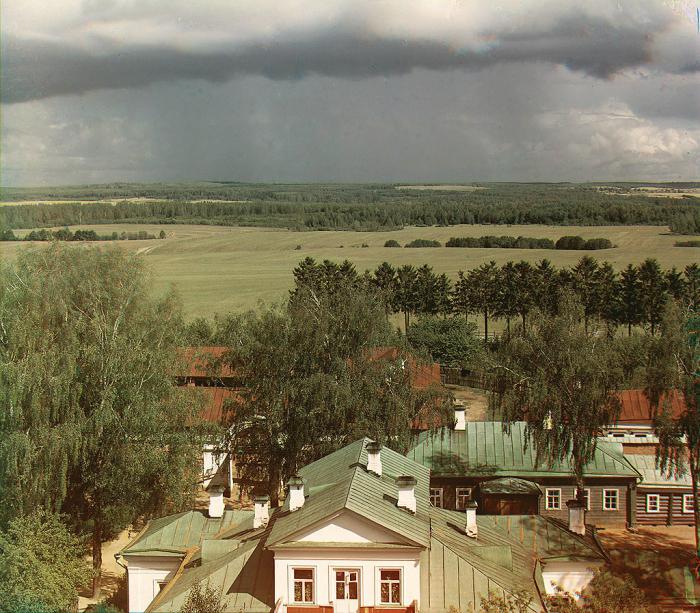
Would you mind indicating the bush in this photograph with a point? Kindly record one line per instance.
(365, 245)
(504, 242)
(423, 242)
(678, 244)
(570, 242)
(452, 341)
(392, 243)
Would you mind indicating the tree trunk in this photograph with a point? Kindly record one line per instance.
(523, 316)
(273, 485)
(96, 558)
(508, 325)
(629, 328)
(486, 326)
(406, 321)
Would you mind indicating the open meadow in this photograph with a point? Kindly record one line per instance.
(222, 269)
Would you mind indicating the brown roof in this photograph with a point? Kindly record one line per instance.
(214, 407)
(199, 359)
(423, 375)
(636, 407)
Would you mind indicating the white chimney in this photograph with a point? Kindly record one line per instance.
(262, 511)
(577, 516)
(216, 501)
(460, 417)
(296, 492)
(470, 511)
(407, 493)
(374, 458)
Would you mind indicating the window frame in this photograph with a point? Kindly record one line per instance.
(692, 503)
(292, 599)
(547, 506)
(441, 495)
(459, 492)
(617, 499)
(649, 498)
(380, 602)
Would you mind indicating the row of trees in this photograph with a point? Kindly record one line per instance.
(526, 242)
(65, 234)
(632, 297)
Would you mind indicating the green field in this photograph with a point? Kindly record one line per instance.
(222, 269)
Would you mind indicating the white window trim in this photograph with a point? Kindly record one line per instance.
(442, 496)
(587, 490)
(459, 491)
(313, 585)
(379, 602)
(331, 581)
(617, 499)
(687, 508)
(658, 503)
(546, 499)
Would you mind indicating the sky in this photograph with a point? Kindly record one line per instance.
(97, 91)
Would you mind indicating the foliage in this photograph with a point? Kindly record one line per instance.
(202, 601)
(605, 593)
(674, 364)
(695, 243)
(561, 379)
(64, 234)
(504, 242)
(578, 243)
(450, 341)
(88, 409)
(423, 242)
(519, 602)
(392, 243)
(318, 375)
(42, 565)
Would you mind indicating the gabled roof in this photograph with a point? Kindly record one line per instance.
(637, 409)
(175, 534)
(215, 402)
(483, 449)
(655, 477)
(340, 481)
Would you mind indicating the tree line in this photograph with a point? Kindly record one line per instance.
(574, 243)
(634, 296)
(352, 207)
(65, 234)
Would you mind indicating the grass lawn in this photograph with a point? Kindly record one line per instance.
(220, 269)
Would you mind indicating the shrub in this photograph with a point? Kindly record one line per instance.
(392, 243)
(570, 242)
(678, 244)
(452, 341)
(423, 242)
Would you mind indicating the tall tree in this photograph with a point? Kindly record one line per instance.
(653, 291)
(561, 378)
(406, 297)
(483, 292)
(87, 402)
(546, 287)
(384, 279)
(692, 286)
(524, 283)
(314, 381)
(674, 364)
(628, 303)
(507, 304)
(585, 281)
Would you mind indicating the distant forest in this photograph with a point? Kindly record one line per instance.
(368, 207)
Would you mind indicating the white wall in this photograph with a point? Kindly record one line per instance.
(143, 575)
(348, 528)
(368, 562)
(571, 577)
(211, 463)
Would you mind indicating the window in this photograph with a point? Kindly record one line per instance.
(553, 499)
(688, 506)
(610, 500)
(436, 496)
(160, 586)
(304, 585)
(346, 584)
(463, 496)
(653, 503)
(586, 498)
(390, 586)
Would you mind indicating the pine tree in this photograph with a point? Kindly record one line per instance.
(483, 292)
(628, 303)
(653, 292)
(507, 304)
(406, 297)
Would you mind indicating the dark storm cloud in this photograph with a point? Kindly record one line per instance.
(35, 69)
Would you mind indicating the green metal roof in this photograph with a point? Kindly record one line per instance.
(174, 534)
(340, 482)
(655, 477)
(484, 449)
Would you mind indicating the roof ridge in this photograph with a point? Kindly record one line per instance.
(619, 459)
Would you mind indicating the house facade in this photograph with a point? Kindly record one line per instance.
(499, 470)
(357, 533)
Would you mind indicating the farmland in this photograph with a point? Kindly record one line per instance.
(220, 269)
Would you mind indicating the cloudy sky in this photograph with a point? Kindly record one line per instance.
(349, 90)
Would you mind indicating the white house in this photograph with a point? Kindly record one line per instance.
(357, 532)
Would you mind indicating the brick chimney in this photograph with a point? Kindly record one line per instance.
(407, 492)
(470, 511)
(296, 492)
(577, 516)
(262, 511)
(374, 458)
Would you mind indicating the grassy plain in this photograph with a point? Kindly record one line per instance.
(222, 269)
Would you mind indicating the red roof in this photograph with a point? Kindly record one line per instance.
(636, 407)
(215, 400)
(423, 375)
(198, 360)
